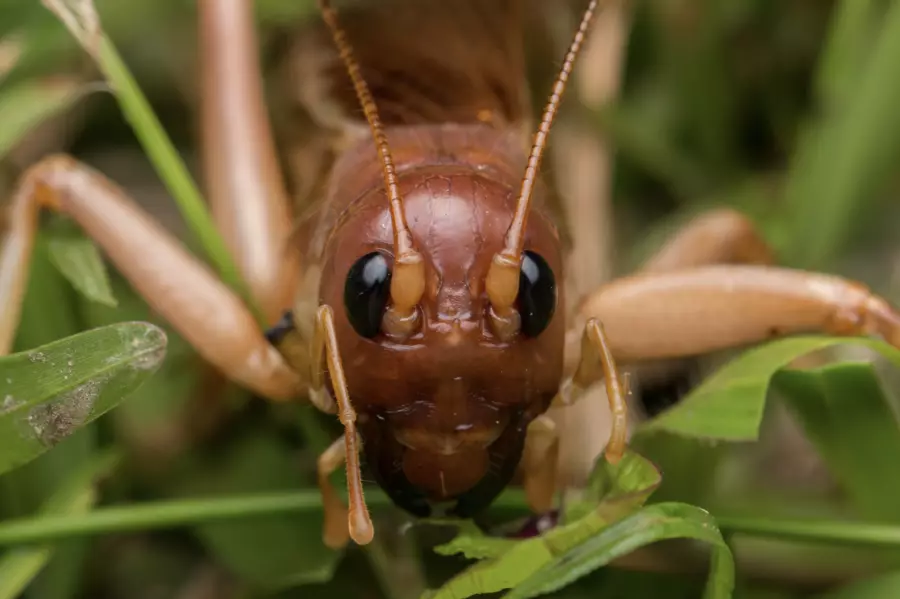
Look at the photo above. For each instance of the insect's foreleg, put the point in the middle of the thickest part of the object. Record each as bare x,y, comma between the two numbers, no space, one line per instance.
597,362
539,463
307,357
325,339
336,532
174,283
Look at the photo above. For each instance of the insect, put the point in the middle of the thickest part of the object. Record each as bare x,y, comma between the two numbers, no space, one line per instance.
425,305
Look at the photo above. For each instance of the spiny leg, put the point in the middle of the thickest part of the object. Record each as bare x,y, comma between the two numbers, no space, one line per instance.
539,463
244,183
705,309
358,521
177,286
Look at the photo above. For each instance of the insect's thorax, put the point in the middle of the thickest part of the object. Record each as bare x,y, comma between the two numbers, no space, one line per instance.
442,414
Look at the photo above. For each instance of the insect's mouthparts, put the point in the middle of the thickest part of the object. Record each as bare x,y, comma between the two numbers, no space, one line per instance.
465,438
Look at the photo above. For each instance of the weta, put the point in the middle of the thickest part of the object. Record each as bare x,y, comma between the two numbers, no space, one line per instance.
424,302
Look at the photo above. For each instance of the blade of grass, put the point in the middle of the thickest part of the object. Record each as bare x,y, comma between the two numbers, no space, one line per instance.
177,513
843,159
19,567
850,39
172,514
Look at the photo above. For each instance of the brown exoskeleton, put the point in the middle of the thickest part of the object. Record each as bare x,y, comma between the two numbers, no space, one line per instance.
426,299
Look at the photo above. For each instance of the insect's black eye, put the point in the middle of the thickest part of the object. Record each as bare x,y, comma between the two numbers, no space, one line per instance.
537,294
366,293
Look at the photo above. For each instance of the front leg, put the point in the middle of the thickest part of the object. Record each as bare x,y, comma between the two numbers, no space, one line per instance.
722,235
597,362
306,356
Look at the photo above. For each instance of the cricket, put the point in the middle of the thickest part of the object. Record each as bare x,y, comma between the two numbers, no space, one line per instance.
423,303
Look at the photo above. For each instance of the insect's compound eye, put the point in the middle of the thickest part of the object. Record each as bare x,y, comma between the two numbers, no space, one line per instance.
366,293
537,294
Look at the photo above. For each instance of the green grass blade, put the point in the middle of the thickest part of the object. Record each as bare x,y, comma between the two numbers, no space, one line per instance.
649,525
845,412
19,566
853,23
168,163
877,587
841,163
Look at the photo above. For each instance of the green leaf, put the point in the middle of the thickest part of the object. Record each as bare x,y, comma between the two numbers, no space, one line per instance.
25,105
474,544
48,314
845,413
78,259
729,404
274,552
544,564
76,496
615,490
650,525
48,393
878,587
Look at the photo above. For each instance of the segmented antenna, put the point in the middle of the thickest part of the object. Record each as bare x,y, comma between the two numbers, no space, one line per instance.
503,277
408,280
516,232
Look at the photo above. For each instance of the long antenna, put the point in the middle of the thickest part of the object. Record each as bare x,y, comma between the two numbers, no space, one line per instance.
408,278
503,276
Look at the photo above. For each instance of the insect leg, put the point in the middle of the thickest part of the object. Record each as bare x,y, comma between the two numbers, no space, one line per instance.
243,180
539,465
722,236
336,532
708,308
325,340
597,362
174,283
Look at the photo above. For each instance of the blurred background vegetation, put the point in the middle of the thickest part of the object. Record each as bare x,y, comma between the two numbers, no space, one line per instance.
786,110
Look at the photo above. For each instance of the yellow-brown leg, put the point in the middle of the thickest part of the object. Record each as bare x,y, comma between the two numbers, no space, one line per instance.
538,466
336,533
597,362
325,340
703,309
718,236
243,181
721,236
174,283
309,356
